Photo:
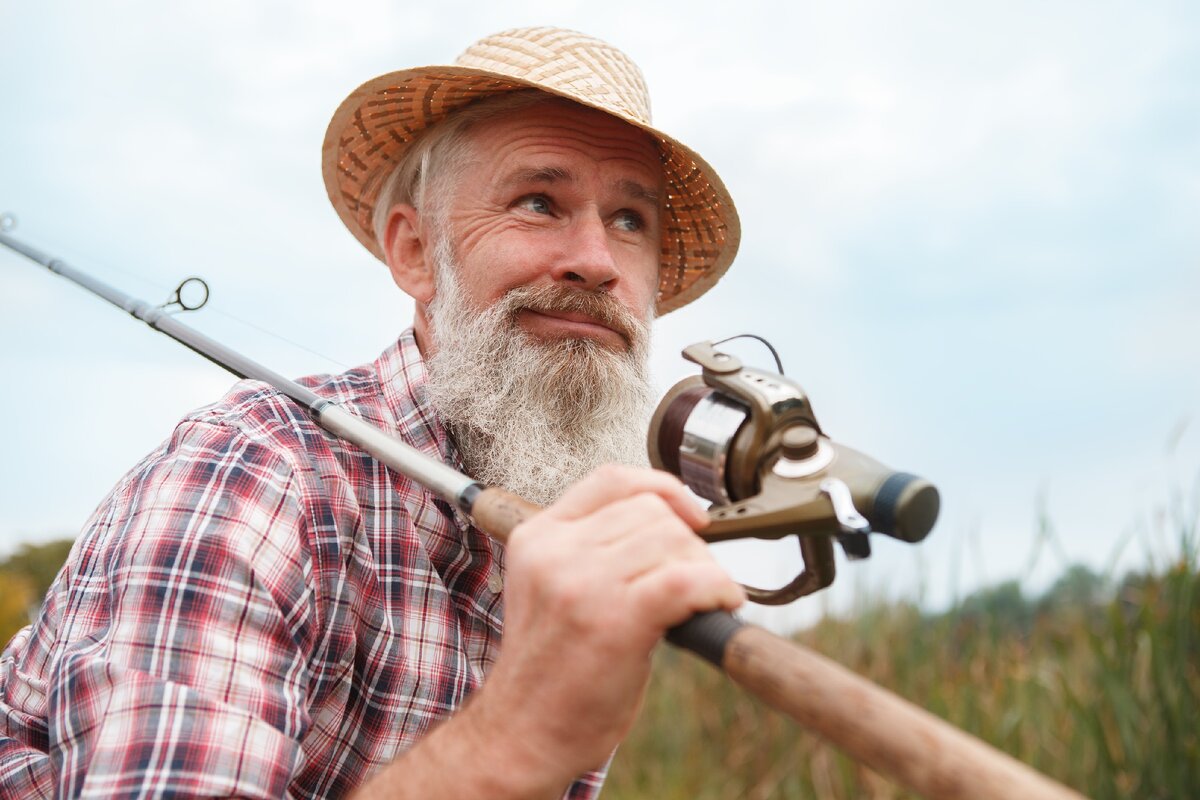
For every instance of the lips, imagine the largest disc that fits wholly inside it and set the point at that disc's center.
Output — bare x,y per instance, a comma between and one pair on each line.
577,314
573,325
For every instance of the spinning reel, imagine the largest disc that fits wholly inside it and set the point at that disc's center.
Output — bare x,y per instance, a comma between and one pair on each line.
747,440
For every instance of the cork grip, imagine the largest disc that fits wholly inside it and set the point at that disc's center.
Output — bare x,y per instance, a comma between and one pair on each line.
498,512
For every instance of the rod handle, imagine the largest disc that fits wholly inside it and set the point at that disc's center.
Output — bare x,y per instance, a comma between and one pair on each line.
871,724
498,511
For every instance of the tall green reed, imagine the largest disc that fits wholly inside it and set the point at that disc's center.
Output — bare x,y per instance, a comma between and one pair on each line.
1096,683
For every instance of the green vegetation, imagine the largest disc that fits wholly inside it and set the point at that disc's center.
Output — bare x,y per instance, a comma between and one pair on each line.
24,578
1095,685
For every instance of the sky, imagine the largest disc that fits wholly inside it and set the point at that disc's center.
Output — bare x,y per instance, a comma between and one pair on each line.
969,230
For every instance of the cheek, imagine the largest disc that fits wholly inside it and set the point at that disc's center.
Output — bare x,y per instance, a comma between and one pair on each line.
646,284
490,271
481,232
492,258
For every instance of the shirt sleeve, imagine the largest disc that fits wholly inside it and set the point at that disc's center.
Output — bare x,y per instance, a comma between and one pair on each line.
185,630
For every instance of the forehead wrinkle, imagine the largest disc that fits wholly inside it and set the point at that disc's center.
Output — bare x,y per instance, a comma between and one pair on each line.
537,175
552,175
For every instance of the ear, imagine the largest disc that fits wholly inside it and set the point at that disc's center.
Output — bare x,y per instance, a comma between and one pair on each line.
409,256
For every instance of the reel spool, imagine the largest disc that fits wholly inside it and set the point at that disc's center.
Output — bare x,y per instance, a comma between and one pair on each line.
748,441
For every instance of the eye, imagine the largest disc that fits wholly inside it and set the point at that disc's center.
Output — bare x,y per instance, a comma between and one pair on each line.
630,221
537,203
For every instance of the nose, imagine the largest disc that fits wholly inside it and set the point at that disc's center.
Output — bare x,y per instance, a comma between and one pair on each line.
588,261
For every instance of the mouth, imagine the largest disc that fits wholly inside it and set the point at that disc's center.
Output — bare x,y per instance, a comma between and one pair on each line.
554,324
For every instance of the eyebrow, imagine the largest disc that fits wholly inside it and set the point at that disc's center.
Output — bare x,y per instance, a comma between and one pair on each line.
537,175
639,191
551,175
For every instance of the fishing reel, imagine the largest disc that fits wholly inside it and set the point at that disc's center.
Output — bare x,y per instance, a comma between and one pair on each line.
747,440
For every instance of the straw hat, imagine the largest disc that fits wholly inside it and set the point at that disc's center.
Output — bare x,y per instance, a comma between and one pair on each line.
373,127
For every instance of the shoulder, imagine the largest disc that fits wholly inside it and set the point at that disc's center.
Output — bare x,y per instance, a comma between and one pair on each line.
256,423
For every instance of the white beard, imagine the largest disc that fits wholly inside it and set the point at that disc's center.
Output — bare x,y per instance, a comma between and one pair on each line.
533,415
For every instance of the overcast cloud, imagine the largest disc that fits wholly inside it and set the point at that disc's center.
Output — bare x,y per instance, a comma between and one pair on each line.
970,231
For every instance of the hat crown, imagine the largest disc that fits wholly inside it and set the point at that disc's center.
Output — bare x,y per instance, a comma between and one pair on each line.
374,127
568,62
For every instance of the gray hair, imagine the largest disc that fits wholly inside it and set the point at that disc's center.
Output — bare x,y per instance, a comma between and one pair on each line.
430,170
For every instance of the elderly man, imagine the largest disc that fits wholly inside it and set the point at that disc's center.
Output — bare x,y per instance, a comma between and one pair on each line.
259,610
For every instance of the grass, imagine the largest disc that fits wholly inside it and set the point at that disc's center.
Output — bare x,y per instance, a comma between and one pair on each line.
1095,683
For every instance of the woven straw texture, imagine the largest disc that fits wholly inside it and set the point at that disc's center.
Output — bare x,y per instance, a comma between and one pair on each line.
376,124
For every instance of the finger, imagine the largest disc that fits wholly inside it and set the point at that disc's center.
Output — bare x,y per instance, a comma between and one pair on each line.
640,555
643,531
677,591
637,518
611,483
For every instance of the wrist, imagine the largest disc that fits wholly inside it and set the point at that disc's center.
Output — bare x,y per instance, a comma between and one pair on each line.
517,765
472,754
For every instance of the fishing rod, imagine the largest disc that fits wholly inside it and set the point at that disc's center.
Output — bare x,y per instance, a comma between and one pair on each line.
749,441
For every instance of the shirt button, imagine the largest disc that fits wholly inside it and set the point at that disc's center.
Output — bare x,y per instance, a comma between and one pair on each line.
495,583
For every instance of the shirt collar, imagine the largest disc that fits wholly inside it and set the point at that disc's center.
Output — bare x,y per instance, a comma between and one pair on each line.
404,377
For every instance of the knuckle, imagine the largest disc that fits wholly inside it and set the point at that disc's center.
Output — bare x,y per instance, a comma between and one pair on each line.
697,584
681,539
629,479
533,550
651,505
563,593
613,474
678,580
669,477
525,535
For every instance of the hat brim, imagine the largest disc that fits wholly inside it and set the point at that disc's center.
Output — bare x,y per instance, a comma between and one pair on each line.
379,121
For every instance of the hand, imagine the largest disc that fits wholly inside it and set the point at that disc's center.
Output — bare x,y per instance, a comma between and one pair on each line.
592,584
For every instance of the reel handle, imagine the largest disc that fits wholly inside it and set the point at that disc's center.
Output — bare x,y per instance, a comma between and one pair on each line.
899,504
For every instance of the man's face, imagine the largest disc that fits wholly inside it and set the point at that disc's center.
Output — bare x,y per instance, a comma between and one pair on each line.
560,196
546,270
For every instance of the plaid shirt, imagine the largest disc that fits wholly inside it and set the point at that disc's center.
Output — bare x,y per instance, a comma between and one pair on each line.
257,610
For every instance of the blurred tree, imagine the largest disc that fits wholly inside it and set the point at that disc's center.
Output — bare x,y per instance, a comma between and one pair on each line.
16,598
1002,606
1078,588
24,578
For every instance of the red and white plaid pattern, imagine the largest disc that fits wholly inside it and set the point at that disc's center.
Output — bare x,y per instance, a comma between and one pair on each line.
257,610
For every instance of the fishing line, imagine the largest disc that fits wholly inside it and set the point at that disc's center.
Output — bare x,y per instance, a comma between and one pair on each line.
280,337
172,307
8,223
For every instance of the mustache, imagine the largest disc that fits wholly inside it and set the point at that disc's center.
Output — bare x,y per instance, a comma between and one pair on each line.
603,308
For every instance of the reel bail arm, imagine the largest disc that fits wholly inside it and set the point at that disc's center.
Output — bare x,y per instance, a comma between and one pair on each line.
748,441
